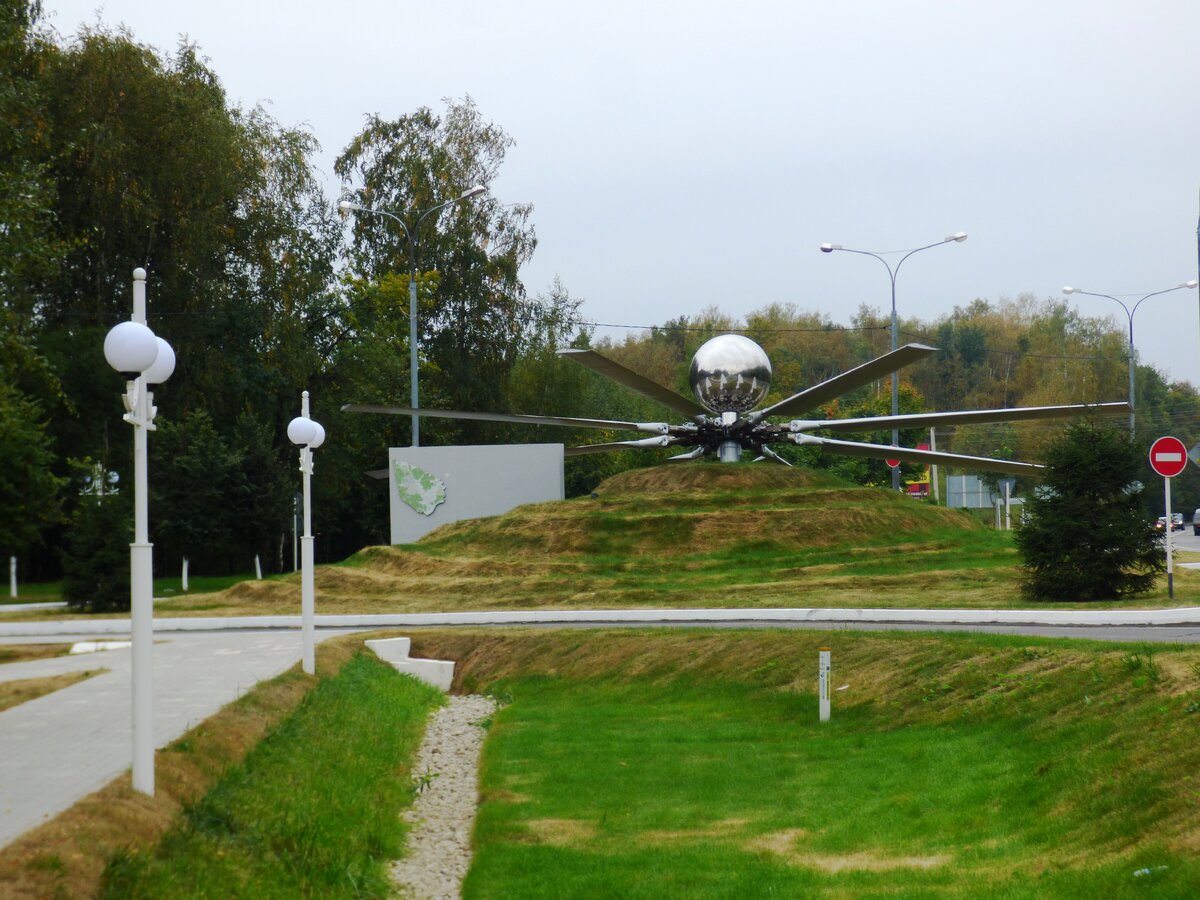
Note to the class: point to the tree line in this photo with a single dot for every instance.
(115, 155)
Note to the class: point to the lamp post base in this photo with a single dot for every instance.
(142, 674)
(308, 651)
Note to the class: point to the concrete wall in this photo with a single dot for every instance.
(446, 484)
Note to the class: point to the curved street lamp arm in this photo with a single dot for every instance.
(1124, 306)
(886, 264)
(949, 240)
(1155, 294)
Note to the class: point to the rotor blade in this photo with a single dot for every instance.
(663, 441)
(691, 454)
(768, 453)
(908, 454)
(655, 427)
(639, 384)
(967, 417)
(812, 397)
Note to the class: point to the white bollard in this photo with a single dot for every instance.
(823, 668)
(183, 585)
(257, 568)
(12, 577)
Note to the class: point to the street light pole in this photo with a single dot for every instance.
(1129, 311)
(308, 435)
(412, 235)
(956, 238)
(144, 359)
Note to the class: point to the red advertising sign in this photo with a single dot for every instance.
(1168, 456)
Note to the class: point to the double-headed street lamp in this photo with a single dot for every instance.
(1129, 311)
(412, 235)
(308, 436)
(893, 271)
(144, 359)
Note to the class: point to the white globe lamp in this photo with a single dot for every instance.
(130, 348)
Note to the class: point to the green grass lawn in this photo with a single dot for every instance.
(691, 764)
(312, 811)
(981, 768)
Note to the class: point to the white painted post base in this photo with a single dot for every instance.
(823, 667)
(12, 577)
(257, 568)
(142, 671)
(184, 576)
(307, 606)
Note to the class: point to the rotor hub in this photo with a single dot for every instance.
(730, 373)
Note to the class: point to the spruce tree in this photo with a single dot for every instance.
(1085, 534)
(95, 560)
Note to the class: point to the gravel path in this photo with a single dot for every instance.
(439, 845)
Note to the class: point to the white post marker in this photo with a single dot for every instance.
(823, 681)
(1168, 457)
(12, 577)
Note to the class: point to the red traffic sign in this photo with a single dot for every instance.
(1168, 456)
(893, 463)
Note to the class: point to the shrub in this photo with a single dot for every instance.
(1085, 534)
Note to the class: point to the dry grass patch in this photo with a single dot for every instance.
(15, 653)
(66, 856)
(561, 832)
(785, 845)
(868, 862)
(14, 693)
(722, 828)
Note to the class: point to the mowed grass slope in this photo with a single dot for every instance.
(642, 764)
(673, 536)
(656, 763)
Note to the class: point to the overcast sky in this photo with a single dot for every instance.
(680, 155)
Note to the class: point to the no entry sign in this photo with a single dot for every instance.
(1168, 456)
(892, 462)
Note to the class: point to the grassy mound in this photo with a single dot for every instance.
(680, 510)
(672, 536)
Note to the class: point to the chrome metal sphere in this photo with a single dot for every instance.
(730, 373)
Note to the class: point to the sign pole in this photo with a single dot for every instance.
(1169, 529)
(1168, 457)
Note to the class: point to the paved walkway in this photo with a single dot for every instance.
(61, 747)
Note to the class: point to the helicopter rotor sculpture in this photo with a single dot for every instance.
(731, 374)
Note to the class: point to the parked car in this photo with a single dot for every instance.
(1196, 522)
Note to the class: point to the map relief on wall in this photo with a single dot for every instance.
(419, 489)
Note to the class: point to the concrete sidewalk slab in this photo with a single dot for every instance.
(61, 747)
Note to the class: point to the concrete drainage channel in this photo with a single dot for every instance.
(436, 672)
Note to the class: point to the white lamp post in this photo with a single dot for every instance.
(308, 436)
(893, 271)
(144, 359)
(1129, 311)
(411, 234)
